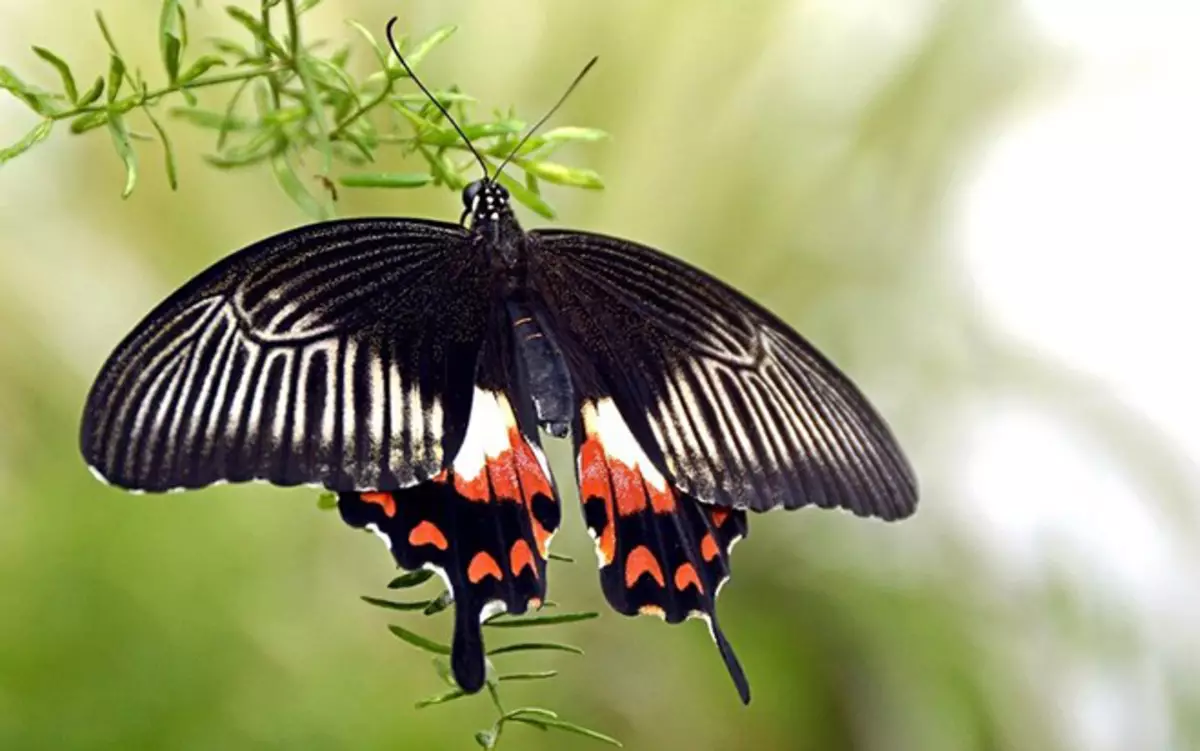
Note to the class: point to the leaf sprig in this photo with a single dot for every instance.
(538, 717)
(294, 100)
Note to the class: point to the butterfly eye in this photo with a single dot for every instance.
(471, 192)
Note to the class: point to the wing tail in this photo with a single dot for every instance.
(661, 551)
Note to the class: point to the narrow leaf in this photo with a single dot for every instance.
(64, 71)
(571, 727)
(92, 94)
(28, 141)
(386, 180)
(526, 196)
(169, 43)
(380, 53)
(457, 693)
(411, 579)
(210, 119)
(538, 676)
(419, 641)
(121, 139)
(541, 620)
(570, 133)
(532, 646)
(116, 74)
(562, 175)
(530, 711)
(89, 121)
(486, 739)
(443, 601)
(168, 152)
(393, 605)
(426, 46)
(257, 30)
(286, 177)
(39, 101)
(172, 49)
(202, 65)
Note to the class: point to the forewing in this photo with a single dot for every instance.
(339, 354)
(727, 401)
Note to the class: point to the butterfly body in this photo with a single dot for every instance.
(409, 364)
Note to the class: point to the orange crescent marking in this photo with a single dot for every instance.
(641, 561)
(719, 516)
(383, 500)
(483, 565)
(685, 576)
(708, 547)
(521, 557)
(504, 477)
(427, 533)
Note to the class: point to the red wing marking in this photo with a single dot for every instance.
(381, 499)
(628, 489)
(427, 533)
(719, 515)
(662, 501)
(521, 557)
(504, 477)
(641, 561)
(686, 576)
(708, 547)
(483, 565)
(473, 488)
(528, 469)
(594, 483)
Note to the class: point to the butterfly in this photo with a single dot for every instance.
(409, 365)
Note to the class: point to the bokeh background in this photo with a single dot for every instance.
(984, 210)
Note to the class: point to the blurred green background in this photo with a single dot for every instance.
(810, 153)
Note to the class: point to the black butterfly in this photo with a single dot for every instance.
(408, 364)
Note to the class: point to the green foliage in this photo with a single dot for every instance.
(293, 102)
(538, 717)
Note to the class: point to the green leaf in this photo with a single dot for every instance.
(64, 71)
(526, 196)
(537, 676)
(411, 579)
(229, 111)
(475, 132)
(169, 154)
(380, 52)
(173, 48)
(37, 100)
(213, 120)
(202, 65)
(427, 45)
(89, 121)
(562, 175)
(393, 605)
(570, 133)
(327, 501)
(286, 177)
(386, 180)
(257, 30)
(419, 641)
(92, 94)
(121, 139)
(267, 144)
(541, 620)
(116, 75)
(108, 37)
(571, 727)
(317, 111)
(235, 50)
(530, 711)
(442, 667)
(169, 43)
(486, 739)
(531, 646)
(28, 141)
(457, 693)
(440, 603)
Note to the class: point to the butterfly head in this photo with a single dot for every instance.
(485, 201)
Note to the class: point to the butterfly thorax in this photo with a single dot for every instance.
(493, 222)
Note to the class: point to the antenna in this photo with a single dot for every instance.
(546, 116)
(395, 49)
